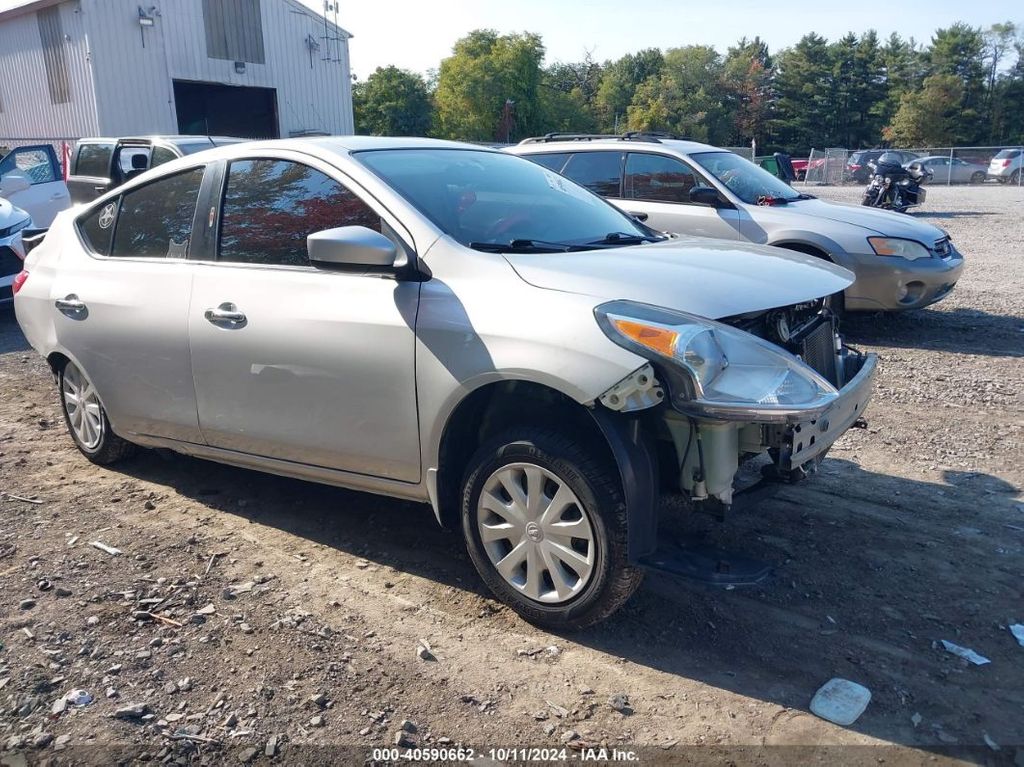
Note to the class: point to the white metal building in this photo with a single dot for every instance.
(253, 68)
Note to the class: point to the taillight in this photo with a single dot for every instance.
(19, 281)
(854, 166)
(1006, 163)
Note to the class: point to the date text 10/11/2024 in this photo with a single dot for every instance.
(502, 754)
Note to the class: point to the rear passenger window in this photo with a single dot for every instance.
(552, 160)
(271, 206)
(155, 221)
(600, 172)
(659, 179)
(97, 227)
(93, 160)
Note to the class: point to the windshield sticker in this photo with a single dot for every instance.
(560, 184)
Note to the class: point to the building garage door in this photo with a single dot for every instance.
(213, 109)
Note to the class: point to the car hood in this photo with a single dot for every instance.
(710, 278)
(884, 222)
(10, 214)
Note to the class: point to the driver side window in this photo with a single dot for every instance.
(656, 178)
(270, 207)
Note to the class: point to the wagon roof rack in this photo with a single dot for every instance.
(652, 137)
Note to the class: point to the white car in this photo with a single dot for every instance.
(13, 222)
(1006, 166)
(31, 178)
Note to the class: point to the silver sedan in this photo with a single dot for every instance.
(446, 324)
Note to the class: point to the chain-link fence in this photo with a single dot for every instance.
(944, 165)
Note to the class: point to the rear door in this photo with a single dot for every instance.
(293, 362)
(122, 304)
(47, 194)
(91, 171)
(660, 186)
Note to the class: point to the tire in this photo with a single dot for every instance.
(556, 463)
(1015, 177)
(978, 178)
(87, 423)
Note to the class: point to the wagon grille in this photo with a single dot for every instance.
(819, 352)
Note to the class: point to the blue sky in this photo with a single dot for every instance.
(416, 35)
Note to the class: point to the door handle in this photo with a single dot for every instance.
(226, 313)
(70, 303)
(101, 188)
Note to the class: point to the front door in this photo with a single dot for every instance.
(290, 361)
(659, 186)
(122, 310)
(47, 194)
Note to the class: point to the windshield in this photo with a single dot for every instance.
(494, 199)
(744, 179)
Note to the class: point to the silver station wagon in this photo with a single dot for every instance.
(449, 324)
(700, 190)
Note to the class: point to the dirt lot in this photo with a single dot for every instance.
(302, 607)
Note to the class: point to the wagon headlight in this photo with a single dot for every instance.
(714, 369)
(894, 246)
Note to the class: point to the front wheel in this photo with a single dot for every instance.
(86, 419)
(544, 519)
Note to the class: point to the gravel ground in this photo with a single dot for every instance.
(292, 615)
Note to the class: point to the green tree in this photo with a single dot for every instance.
(688, 97)
(619, 82)
(392, 102)
(568, 96)
(748, 70)
(930, 116)
(903, 71)
(999, 41)
(959, 51)
(485, 72)
(1008, 102)
(803, 108)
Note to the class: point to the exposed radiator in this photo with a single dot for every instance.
(819, 352)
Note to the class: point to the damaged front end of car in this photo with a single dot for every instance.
(740, 401)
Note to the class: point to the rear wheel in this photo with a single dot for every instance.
(978, 178)
(86, 419)
(1015, 177)
(545, 524)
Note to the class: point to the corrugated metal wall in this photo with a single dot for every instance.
(27, 93)
(135, 93)
(133, 67)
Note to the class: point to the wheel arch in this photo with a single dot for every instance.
(622, 439)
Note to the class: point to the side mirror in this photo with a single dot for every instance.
(705, 195)
(350, 246)
(14, 182)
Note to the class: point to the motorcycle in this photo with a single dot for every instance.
(893, 187)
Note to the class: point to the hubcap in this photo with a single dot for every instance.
(536, 532)
(83, 406)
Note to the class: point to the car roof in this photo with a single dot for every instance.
(637, 143)
(314, 145)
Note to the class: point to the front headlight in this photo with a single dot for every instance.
(894, 246)
(717, 370)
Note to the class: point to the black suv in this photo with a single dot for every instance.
(857, 168)
(100, 164)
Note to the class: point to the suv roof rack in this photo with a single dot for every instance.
(654, 137)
